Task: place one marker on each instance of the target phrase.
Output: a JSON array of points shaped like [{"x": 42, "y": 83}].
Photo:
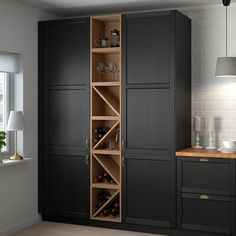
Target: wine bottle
[{"x": 100, "y": 178}]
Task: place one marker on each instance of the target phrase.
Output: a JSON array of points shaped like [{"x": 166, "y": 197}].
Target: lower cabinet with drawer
[{"x": 206, "y": 194}]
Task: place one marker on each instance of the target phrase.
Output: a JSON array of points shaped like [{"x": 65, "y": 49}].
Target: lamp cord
[{"x": 226, "y": 31}]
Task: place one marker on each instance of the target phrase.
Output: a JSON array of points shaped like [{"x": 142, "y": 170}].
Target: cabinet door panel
[
  {"x": 68, "y": 56},
  {"x": 212, "y": 215},
  {"x": 148, "y": 192},
  {"x": 63, "y": 117},
  {"x": 148, "y": 119},
  {"x": 211, "y": 177},
  {"x": 67, "y": 189},
  {"x": 68, "y": 114},
  {"x": 148, "y": 54}
]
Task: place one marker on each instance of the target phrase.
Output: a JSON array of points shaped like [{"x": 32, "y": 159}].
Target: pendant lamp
[{"x": 226, "y": 66}]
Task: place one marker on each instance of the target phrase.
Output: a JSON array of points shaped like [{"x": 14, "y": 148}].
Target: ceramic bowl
[{"x": 229, "y": 144}]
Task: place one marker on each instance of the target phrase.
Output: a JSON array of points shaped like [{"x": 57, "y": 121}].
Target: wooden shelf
[
  {"x": 107, "y": 218},
  {"x": 105, "y": 118},
  {"x": 107, "y": 18},
  {"x": 108, "y": 97},
  {"x": 105, "y": 107},
  {"x": 114, "y": 50},
  {"x": 110, "y": 83},
  {"x": 110, "y": 166},
  {"x": 105, "y": 186},
  {"x": 192, "y": 152},
  {"x": 106, "y": 152}
]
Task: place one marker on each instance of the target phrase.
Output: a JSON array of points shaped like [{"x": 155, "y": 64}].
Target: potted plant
[{"x": 3, "y": 136}]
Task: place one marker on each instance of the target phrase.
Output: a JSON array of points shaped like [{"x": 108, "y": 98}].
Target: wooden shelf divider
[
  {"x": 105, "y": 118},
  {"x": 107, "y": 135},
  {"x": 106, "y": 151},
  {"x": 106, "y": 50},
  {"x": 110, "y": 83},
  {"x": 107, "y": 218},
  {"x": 108, "y": 97},
  {"x": 105, "y": 186},
  {"x": 106, "y": 203},
  {"x": 110, "y": 166}
]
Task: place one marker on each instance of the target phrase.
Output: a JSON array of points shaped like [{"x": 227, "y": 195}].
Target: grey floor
[{"x": 56, "y": 229}]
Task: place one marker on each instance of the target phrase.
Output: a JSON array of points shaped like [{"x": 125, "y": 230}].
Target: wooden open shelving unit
[{"x": 105, "y": 113}]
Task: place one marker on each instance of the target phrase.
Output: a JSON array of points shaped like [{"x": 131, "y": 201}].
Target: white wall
[
  {"x": 19, "y": 184},
  {"x": 210, "y": 95}
]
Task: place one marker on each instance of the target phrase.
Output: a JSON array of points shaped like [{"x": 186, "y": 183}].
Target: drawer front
[
  {"x": 207, "y": 213},
  {"x": 211, "y": 176}
]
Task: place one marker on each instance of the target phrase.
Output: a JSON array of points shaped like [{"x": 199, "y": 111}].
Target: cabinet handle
[
  {"x": 204, "y": 197},
  {"x": 87, "y": 152},
  {"x": 204, "y": 160},
  {"x": 123, "y": 152}
]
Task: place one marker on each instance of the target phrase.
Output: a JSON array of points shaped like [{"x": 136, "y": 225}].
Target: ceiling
[{"x": 84, "y": 7}]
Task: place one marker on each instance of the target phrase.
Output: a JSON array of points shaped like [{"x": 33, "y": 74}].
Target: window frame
[{"x": 9, "y": 106}]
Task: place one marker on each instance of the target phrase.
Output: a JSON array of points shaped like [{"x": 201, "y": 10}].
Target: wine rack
[{"x": 105, "y": 128}]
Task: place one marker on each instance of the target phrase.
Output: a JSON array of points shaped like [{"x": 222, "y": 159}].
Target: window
[
  {"x": 5, "y": 105},
  {"x": 9, "y": 65}
]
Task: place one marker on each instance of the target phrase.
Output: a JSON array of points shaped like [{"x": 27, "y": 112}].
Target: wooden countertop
[{"x": 192, "y": 152}]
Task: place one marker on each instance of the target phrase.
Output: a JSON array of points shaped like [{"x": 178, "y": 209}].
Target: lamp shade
[
  {"x": 226, "y": 67},
  {"x": 15, "y": 121}
]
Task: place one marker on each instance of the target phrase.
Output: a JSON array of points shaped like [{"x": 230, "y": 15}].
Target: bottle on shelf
[
  {"x": 115, "y": 38},
  {"x": 112, "y": 210},
  {"x": 99, "y": 133},
  {"x": 102, "y": 197},
  {"x": 104, "y": 178}
]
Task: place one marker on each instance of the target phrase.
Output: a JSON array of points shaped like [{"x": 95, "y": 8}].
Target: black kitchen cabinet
[
  {"x": 64, "y": 117},
  {"x": 206, "y": 194},
  {"x": 156, "y": 45},
  {"x": 160, "y": 193}
]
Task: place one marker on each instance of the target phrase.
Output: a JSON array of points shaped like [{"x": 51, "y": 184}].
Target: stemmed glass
[
  {"x": 110, "y": 69},
  {"x": 101, "y": 69}
]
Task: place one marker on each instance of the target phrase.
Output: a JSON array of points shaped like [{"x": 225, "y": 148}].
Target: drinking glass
[
  {"x": 101, "y": 69},
  {"x": 110, "y": 69}
]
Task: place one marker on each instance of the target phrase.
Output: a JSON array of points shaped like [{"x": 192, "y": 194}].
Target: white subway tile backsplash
[{"x": 213, "y": 96}]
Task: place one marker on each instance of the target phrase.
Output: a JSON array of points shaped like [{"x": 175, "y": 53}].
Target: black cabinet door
[
  {"x": 209, "y": 213},
  {"x": 66, "y": 187},
  {"x": 147, "y": 191},
  {"x": 206, "y": 176},
  {"x": 64, "y": 117},
  {"x": 147, "y": 120},
  {"x": 148, "y": 41}
]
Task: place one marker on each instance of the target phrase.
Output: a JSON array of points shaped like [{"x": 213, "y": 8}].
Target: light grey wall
[
  {"x": 19, "y": 184},
  {"x": 213, "y": 96}
]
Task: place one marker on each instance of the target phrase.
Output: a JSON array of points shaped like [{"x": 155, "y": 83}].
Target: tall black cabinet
[
  {"x": 64, "y": 117},
  {"x": 157, "y": 104},
  {"x": 155, "y": 120}
]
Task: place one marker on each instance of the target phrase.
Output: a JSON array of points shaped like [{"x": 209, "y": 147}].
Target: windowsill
[{"x": 7, "y": 162}]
